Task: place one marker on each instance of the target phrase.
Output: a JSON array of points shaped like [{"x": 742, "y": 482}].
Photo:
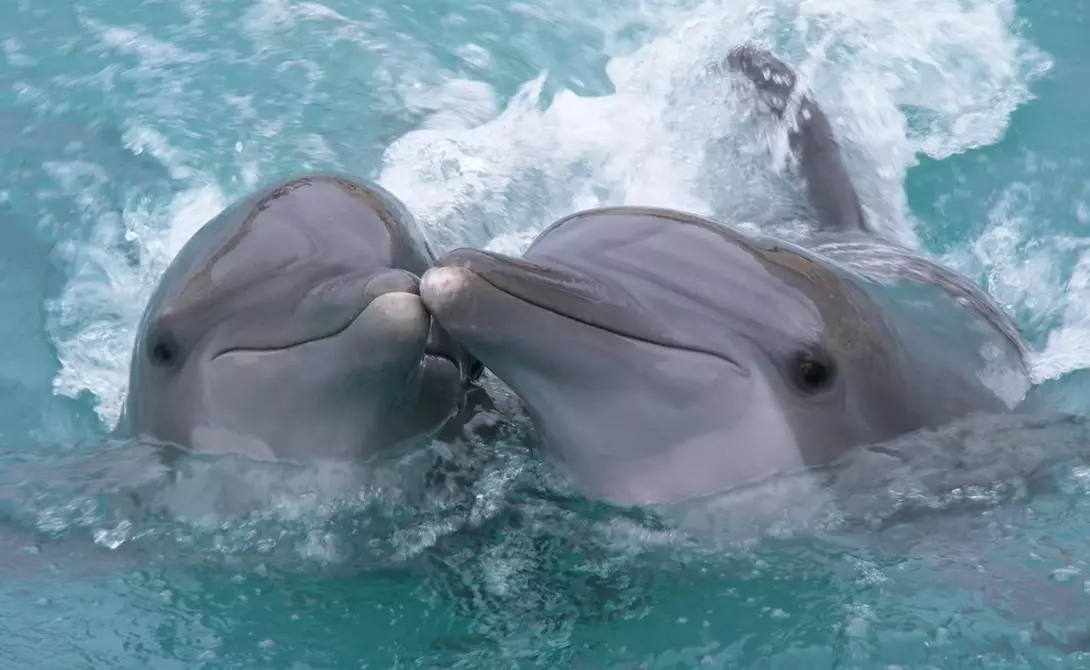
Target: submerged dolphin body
[{"x": 662, "y": 356}]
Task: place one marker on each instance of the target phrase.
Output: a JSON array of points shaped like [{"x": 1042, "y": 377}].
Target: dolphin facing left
[
  {"x": 663, "y": 356},
  {"x": 290, "y": 327}
]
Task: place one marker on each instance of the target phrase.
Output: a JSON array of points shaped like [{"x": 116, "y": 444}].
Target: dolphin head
[
  {"x": 661, "y": 356},
  {"x": 291, "y": 327}
]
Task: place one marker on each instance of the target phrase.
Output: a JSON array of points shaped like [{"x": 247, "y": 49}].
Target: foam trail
[
  {"x": 1025, "y": 272},
  {"x": 1068, "y": 347},
  {"x": 671, "y": 135}
]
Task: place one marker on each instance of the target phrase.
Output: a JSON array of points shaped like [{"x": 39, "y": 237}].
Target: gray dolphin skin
[
  {"x": 662, "y": 356},
  {"x": 290, "y": 327}
]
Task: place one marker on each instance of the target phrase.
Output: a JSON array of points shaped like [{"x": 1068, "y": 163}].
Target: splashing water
[{"x": 124, "y": 128}]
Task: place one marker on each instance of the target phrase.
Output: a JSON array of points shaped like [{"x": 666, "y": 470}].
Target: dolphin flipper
[{"x": 826, "y": 180}]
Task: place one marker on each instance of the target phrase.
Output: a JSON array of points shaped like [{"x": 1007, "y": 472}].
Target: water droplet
[
  {"x": 115, "y": 537},
  {"x": 1064, "y": 575}
]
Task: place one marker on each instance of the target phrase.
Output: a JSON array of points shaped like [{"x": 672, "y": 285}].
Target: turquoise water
[{"x": 125, "y": 126}]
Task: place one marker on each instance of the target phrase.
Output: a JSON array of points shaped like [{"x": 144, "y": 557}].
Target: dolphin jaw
[{"x": 399, "y": 315}]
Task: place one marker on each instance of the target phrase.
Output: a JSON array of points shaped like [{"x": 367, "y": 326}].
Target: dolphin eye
[
  {"x": 163, "y": 352},
  {"x": 813, "y": 371}
]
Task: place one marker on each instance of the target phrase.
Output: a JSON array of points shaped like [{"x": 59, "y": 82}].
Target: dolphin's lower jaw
[
  {"x": 398, "y": 320},
  {"x": 400, "y": 338},
  {"x": 383, "y": 352},
  {"x": 435, "y": 361}
]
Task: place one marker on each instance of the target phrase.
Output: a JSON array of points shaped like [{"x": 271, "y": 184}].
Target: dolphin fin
[{"x": 826, "y": 180}]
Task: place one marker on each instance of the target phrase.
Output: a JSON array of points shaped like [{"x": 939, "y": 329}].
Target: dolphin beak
[
  {"x": 464, "y": 305},
  {"x": 439, "y": 345},
  {"x": 446, "y": 291},
  {"x": 504, "y": 327},
  {"x": 524, "y": 279},
  {"x": 464, "y": 275},
  {"x": 482, "y": 298}
]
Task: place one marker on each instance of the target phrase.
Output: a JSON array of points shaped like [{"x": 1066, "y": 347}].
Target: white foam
[
  {"x": 151, "y": 52},
  {"x": 1025, "y": 272},
  {"x": 1068, "y": 346},
  {"x": 456, "y": 103},
  {"x": 93, "y": 323},
  {"x": 268, "y": 22},
  {"x": 658, "y": 139},
  {"x": 1016, "y": 275}
]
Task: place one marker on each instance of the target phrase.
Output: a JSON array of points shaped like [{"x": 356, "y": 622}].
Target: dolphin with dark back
[
  {"x": 662, "y": 356},
  {"x": 290, "y": 327}
]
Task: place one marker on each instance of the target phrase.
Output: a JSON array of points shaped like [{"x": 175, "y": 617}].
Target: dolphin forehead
[
  {"x": 299, "y": 253},
  {"x": 315, "y": 226}
]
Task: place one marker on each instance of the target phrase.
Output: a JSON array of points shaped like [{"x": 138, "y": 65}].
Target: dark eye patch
[
  {"x": 813, "y": 371},
  {"x": 163, "y": 351}
]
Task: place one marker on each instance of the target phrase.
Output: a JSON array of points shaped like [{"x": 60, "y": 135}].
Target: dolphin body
[
  {"x": 290, "y": 327},
  {"x": 662, "y": 356}
]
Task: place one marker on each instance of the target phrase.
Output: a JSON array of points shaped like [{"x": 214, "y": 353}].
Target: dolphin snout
[
  {"x": 443, "y": 288},
  {"x": 549, "y": 285},
  {"x": 396, "y": 322},
  {"x": 472, "y": 288},
  {"x": 468, "y": 309},
  {"x": 475, "y": 291},
  {"x": 391, "y": 281}
]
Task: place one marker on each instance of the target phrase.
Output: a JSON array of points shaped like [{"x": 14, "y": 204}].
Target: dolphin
[
  {"x": 662, "y": 356},
  {"x": 290, "y": 327}
]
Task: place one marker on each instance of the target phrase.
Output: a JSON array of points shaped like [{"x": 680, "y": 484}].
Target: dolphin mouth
[
  {"x": 294, "y": 344},
  {"x": 432, "y": 355},
  {"x": 278, "y": 348},
  {"x": 572, "y": 295},
  {"x": 437, "y": 349},
  {"x": 440, "y": 357}
]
